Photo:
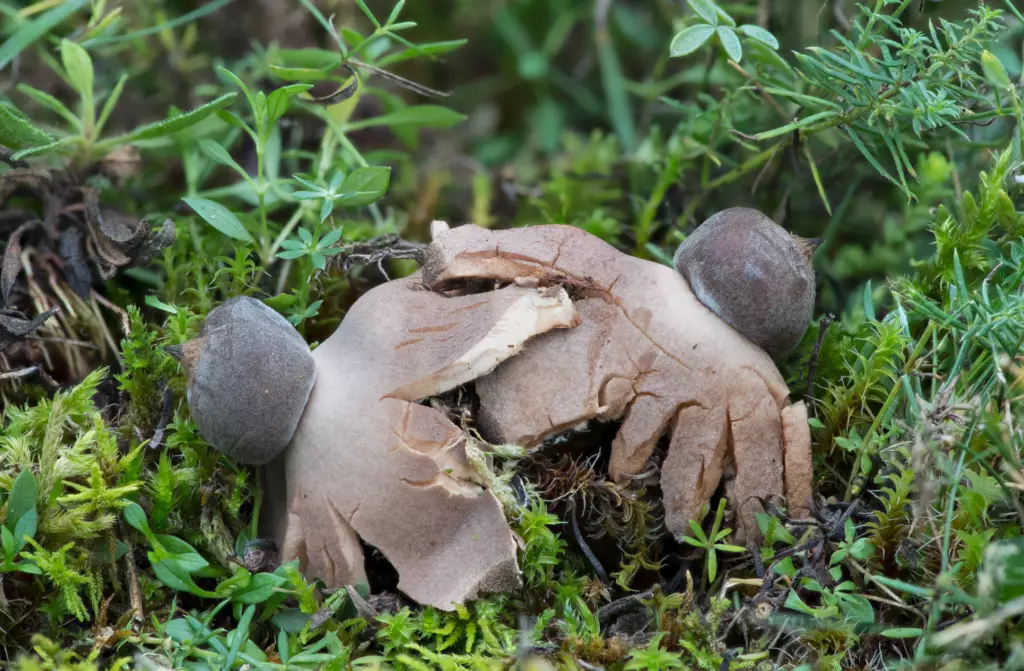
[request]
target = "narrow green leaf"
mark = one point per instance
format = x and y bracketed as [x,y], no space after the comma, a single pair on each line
[760,34]
[428,49]
[690,39]
[368,13]
[16,132]
[329,239]
[325,209]
[31,32]
[869,302]
[903,632]
[239,636]
[215,152]
[78,65]
[240,84]
[425,116]
[1013,10]
[870,157]
[220,217]
[308,59]
[155,302]
[172,125]
[817,179]
[51,103]
[705,9]
[852,67]
[712,565]
[111,102]
[399,6]
[731,43]
[56,147]
[229,117]
[901,586]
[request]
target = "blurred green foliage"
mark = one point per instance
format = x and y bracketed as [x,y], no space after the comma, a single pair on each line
[321,131]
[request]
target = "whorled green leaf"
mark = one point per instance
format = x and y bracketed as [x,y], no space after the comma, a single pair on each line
[220,217]
[17,133]
[760,34]
[690,39]
[731,43]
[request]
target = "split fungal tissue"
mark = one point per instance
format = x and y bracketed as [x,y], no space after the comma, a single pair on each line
[554,328]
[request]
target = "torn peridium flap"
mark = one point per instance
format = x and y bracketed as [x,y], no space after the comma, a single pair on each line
[394,471]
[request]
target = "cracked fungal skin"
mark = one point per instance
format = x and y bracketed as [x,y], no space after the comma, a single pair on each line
[369,462]
[647,353]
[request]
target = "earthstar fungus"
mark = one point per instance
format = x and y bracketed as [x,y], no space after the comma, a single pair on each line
[554,328]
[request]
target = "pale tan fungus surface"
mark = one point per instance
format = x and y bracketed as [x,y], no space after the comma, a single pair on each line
[632,345]
[646,352]
[368,462]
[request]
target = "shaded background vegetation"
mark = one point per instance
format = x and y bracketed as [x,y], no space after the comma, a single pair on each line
[574,112]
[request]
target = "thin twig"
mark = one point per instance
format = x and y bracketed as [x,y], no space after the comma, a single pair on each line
[812,365]
[587,552]
[21,372]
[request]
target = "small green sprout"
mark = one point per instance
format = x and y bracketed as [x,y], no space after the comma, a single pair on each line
[710,542]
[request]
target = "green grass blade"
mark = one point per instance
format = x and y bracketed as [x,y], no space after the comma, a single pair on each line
[194,15]
[619,109]
[32,31]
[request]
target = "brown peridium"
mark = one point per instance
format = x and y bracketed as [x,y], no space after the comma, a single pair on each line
[369,462]
[646,352]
